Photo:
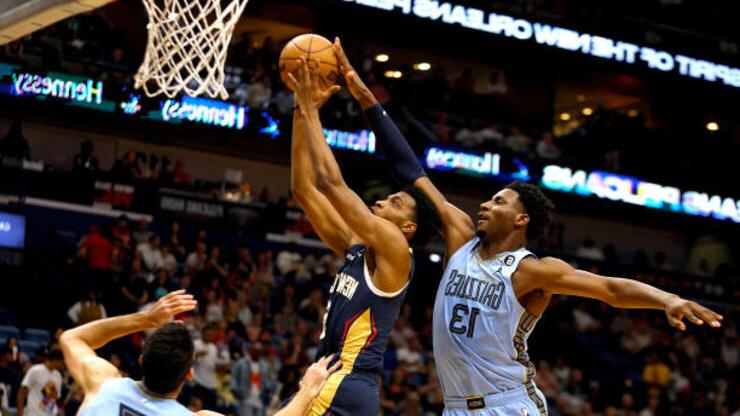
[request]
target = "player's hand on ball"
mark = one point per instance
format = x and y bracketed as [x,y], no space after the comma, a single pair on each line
[170,305]
[356,86]
[316,375]
[305,84]
[680,308]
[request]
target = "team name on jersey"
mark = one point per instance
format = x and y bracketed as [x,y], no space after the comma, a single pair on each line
[345,285]
[488,292]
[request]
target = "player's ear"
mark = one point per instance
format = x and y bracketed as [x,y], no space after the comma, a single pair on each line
[141,359]
[521,220]
[408,227]
[190,374]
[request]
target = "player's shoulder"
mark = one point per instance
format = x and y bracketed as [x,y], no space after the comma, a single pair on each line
[532,267]
[466,249]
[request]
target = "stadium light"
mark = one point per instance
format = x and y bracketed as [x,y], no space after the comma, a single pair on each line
[587,111]
[382,57]
[712,126]
[393,74]
[423,66]
[435,258]
[565,116]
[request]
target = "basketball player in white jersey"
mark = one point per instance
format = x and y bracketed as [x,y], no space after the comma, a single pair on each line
[166,362]
[494,290]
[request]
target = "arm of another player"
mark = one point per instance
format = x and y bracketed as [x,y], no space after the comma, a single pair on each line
[387,241]
[558,277]
[79,344]
[311,384]
[457,227]
[325,219]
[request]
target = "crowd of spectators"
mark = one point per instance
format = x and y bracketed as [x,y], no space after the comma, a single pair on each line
[260,313]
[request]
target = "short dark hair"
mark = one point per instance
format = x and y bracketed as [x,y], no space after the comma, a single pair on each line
[167,357]
[427,218]
[538,206]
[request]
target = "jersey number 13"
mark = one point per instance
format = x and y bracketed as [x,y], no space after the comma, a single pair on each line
[463,320]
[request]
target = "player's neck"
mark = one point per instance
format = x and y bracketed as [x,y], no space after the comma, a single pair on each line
[491,247]
[171,396]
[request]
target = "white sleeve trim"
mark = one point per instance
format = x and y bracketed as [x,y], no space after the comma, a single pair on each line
[375,290]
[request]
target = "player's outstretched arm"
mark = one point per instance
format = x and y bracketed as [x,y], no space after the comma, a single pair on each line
[311,384]
[324,218]
[457,227]
[558,277]
[387,241]
[79,344]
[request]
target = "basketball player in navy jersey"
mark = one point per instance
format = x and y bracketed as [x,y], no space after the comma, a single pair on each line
[166,362]
[368,291]
[494,290]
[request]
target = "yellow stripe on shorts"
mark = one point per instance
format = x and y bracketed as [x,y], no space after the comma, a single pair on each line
[357,335]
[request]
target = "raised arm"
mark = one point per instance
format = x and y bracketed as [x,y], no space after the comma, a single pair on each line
[324,218]
[457,227]
[79,344]
[558,277]
[392,262]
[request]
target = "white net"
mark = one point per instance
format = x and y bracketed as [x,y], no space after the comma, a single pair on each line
[187,46]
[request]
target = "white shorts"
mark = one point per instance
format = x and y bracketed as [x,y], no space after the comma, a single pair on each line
[523,401]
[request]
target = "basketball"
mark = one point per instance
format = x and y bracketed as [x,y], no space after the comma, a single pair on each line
[318,52]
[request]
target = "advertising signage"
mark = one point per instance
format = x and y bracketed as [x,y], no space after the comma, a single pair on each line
[559,37]
[474,164]
[68,89]
[87,90]
[634,191]
[217,114]
[205,111]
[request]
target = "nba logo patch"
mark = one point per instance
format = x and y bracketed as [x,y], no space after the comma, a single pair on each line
[509,260]
[523,411]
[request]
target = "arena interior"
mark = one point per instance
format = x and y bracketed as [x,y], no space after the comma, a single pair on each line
[624,113]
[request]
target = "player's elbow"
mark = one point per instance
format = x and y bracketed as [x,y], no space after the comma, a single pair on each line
[614,290]
[67,339]
[327,184]
[300,190]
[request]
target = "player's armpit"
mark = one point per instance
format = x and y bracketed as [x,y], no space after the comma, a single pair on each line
[457,227]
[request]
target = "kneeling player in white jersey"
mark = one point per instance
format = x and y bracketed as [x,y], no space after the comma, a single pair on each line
[166,363]
[494,290]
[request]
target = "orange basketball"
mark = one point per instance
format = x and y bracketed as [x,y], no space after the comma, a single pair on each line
[318,52]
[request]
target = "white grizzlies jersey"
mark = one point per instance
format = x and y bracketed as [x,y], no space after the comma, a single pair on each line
[480,329]
[126,397]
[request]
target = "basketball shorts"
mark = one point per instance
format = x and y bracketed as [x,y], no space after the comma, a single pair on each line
[354,393]
[522,401]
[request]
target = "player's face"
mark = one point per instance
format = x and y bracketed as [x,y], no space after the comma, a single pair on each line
[500,214]
[398,208]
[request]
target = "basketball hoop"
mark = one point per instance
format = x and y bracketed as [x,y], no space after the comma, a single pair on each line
[187,45]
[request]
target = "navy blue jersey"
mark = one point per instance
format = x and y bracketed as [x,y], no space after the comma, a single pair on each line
[358,321]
